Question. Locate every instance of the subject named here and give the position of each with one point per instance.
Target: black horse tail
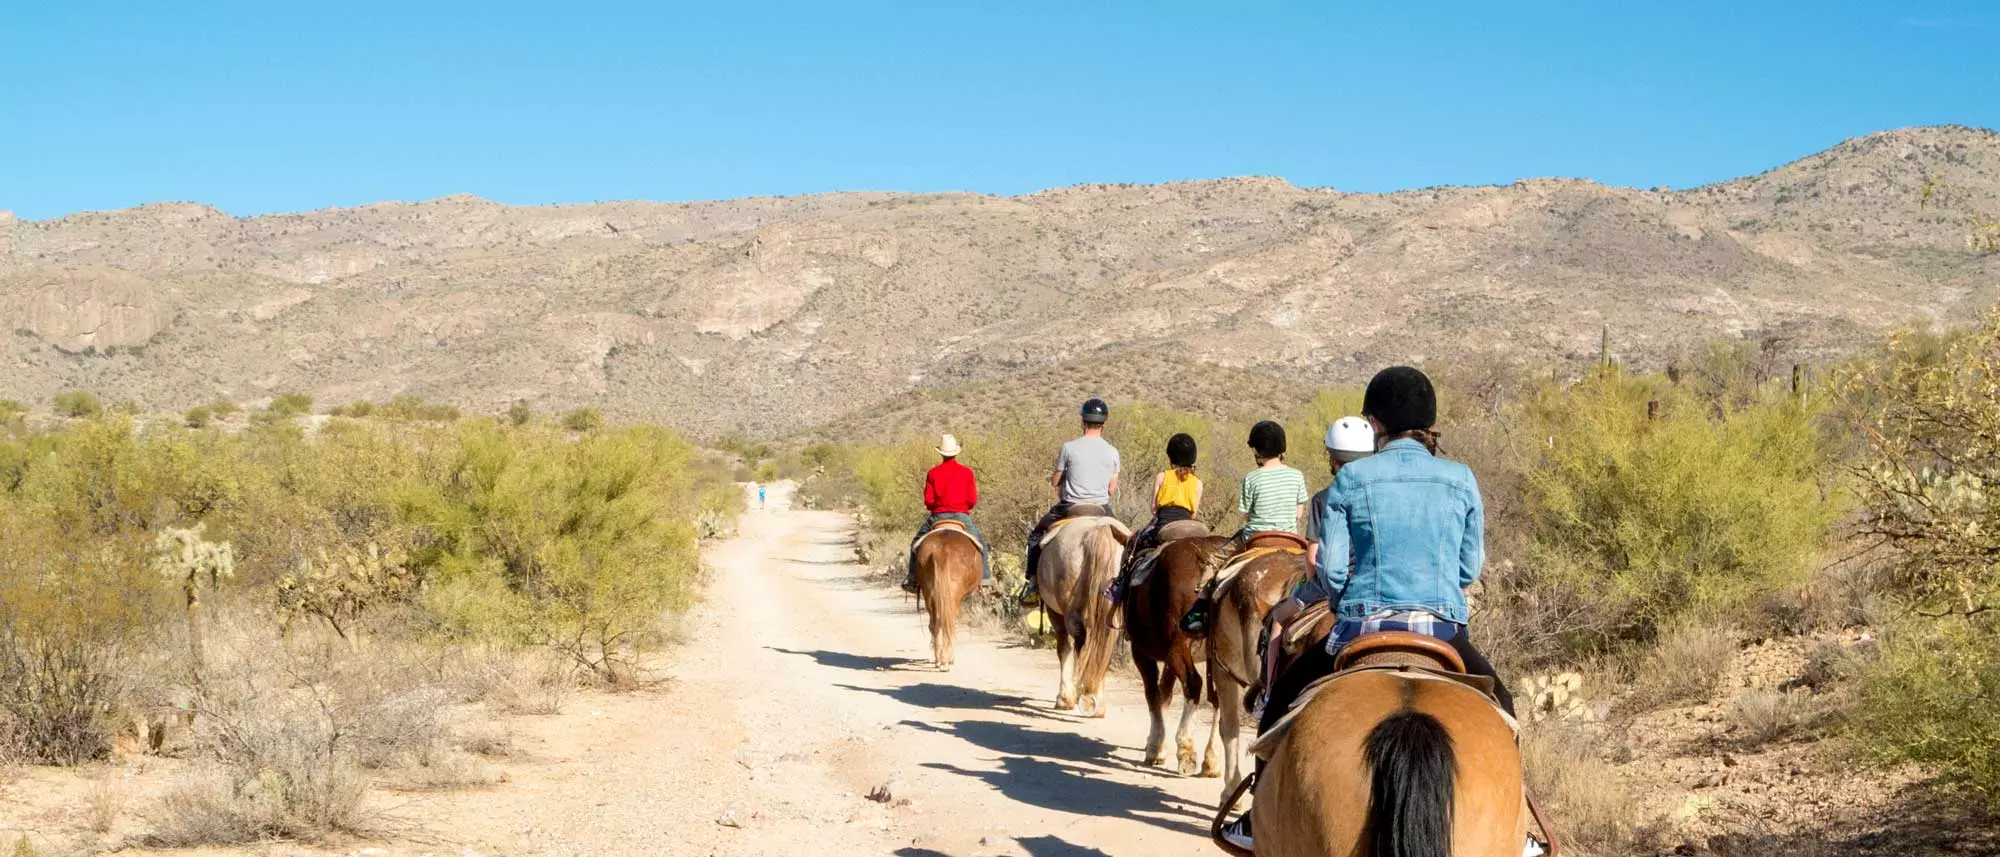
(1410, 789)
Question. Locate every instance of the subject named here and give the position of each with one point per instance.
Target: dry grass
(297, 797)
(1594, 812)
(1763, 716)
(104, 803)
(1685, 666)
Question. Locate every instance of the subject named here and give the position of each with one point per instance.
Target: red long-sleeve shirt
(950, 487)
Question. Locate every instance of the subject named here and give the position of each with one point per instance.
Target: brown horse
(1153, 609)
(1079, 559)
(1392, 764)
(1233, 658)
(947, 569)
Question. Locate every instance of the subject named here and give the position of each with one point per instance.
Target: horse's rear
(1389, 764)
(1233, 660)
(1078, 564)
(1163, 654)
(947, 570)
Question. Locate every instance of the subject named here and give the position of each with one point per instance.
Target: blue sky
(263, 106)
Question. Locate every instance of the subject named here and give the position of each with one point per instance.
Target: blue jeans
(985, 567)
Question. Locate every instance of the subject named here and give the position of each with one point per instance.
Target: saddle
(1077, 512)
(1181, 530)
(952, 525)
(1277, 540)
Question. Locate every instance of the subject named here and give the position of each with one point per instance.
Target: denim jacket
(1416, 530)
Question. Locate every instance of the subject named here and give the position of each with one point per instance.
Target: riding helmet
(1401, 399)
(1350, 438)
(1180, 450)
(1095, 412)
(1267, 439)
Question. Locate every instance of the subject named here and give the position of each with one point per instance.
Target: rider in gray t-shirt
(1086, 474)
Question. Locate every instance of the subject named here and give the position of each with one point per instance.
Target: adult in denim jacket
(1404, 534)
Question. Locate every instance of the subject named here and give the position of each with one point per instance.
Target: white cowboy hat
(948, 447)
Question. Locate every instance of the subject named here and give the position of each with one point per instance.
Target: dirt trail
(801, 688)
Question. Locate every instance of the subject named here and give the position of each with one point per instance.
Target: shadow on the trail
(952, 697)
(820, 561)
(1069, 788)
(845, 661)
(1011, 739)
(1036, 846)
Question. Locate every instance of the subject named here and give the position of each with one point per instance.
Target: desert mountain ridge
(772, 314)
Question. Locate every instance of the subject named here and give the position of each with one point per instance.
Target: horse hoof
(1065, 705)
(1154, 761)
(1210, 771)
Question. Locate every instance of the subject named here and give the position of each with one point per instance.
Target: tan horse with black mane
(947, 569)
(1079, 559)
(1392, 760)
(1164, 655)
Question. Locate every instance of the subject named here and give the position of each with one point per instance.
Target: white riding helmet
(1350, 438)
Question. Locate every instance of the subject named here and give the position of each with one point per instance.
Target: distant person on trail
(1349, 439)
(760, 496)
(1085, 477)
(1272, 500)
(1176, 496)
(1403, 534)
(950, 492)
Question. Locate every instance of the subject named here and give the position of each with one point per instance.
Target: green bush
(199, 416)
(1929, 698)
(583, 419)
(1650, 523)
(290, 404)
(77, 404)
(519, 413)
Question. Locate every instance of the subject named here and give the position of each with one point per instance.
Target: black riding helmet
(1401, 399)
(1267, 439)
(1180, 450)
(1095, 412)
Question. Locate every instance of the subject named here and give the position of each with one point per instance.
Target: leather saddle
(1399, 649)
(1279, 540)
(1181, 530)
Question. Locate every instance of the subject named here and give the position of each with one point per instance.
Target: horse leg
(1065, 664)
(1184, 739)
(1156, 702)
(1229, 721)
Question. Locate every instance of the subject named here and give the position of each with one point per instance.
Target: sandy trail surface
(803, 685)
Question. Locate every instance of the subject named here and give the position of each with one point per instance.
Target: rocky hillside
(772, 314)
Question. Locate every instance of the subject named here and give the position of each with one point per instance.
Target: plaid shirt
(1415, 621)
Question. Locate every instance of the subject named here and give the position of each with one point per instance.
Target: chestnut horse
(1233, 659)
(1079, 560)
(947, 569)
(1164, 655)
(1392, 764)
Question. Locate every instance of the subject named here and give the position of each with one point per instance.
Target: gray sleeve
(1062, 458)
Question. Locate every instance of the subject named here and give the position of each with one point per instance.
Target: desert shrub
(1930, 483)
(519, 413)
(76, 404)
(358, 409)
(1762, 716)
(583, 419)
(1648, 523)
(59, 698)
(224, 408)
(11, 411)
(199, 417)
(1929, 698)
(290, 404)
(1685, 665)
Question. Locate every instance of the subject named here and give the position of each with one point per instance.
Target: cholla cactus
(182, 556)
(339, 588)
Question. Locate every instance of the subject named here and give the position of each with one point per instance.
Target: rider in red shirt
(950, 492)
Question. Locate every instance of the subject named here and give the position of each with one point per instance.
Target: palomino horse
(1233, 660)
(1079, 559)
(1164, 655)
(947, 569)
(1394, 763)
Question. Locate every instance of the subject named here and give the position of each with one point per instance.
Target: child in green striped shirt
(1273, 499)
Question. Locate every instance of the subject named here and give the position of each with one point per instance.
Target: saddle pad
(1237, 562)
(1142, 568)
(1267, 743)
(952, 526)
(1057, 526)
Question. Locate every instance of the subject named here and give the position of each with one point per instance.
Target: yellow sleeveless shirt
(1177, 490)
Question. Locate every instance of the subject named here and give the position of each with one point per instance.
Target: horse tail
(1410, 790)
(1102, 555)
